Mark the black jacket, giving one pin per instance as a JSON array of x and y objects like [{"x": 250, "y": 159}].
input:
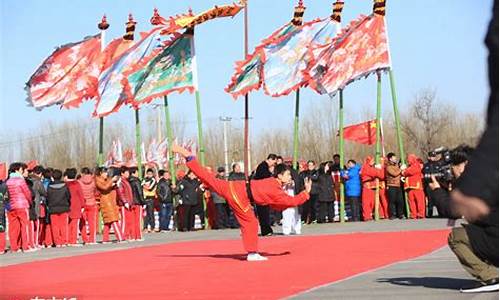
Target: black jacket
[
  {"x": 190, "y": 191},
  {"x": 236, "y": 176},
  {"x": 325, "y": 188},
  {"x": 313, "y": 175},
  {"x": 480, "y": 178},
  {"x": 3, "y": 199},
  {"x": 164, "y": 191},
  {"x": 58, "y": 197},
  {"x": 137, "y": 193},
  {"x": 262, "y": 171}
]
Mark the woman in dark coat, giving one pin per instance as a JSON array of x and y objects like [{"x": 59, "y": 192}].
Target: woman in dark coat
[{"x": 326, "y": 193}]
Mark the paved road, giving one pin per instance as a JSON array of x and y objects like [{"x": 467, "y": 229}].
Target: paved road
[{"x": 434, "y": 276}]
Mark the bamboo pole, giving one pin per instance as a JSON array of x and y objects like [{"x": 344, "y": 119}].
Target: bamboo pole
[
  {"x": 296, "y": 130},
  {"x": 399, "y": 136},
  {"x": 378, "y": 143},
  {"x": 341, "y": 146},
  {"x": 168, "y": 126}
]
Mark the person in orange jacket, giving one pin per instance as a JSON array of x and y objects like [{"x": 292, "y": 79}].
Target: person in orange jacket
[
  {"x": 238, "y": 194},
  {"x": 369, "y": 175},
  {"x": 413, "y": 184}
]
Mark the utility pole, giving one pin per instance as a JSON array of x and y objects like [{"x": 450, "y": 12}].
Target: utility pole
[{"x": 226, "y": 148}]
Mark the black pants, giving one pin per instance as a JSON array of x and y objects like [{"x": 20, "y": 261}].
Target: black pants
[
  {"x": 198, "y": 210},
  {"x": 355, "y": 207},
  {"x": 309, "y": 211},
  {"x": 187, "y": 223},
  {"x": 150, "y": 213},
  {"x": 325, "y": 210},
  {"x": 396, "y": 201},
  {"x": 431, "y": 203},
  {"x": 222, "y": 216},
  {"x": 263, "y": 214}
]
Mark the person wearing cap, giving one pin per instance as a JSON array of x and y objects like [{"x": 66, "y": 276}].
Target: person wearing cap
[{"x": 221, "y": 207}]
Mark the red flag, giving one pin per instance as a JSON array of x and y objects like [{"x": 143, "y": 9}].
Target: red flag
[
  {"x": 3, "y": 171},
  {"x": 363, "y": 133},
  {"x": 67, "y": 76}
]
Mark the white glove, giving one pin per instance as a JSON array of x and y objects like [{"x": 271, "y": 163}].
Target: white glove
[
  {"x": 180, "y": 202},
  {"x": 127, "y": 206},
  {"x": 378, "y": 166}
]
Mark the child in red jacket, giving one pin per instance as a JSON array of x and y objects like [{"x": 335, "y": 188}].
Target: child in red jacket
[{"x": 76, "y": 206}]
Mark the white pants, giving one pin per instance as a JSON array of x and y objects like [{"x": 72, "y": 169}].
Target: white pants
[{"x": 291, "y": 221}]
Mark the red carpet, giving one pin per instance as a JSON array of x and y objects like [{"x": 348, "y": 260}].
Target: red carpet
[{"x": 213, "y": 269}]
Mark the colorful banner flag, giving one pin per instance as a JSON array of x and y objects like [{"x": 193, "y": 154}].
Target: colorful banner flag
[
  {"x": 361, "y": 49},
  {"x": 362, "y": 133},
  {"x": 169, "y": 71},
  {"x": 279, "y": 62},
  {"x": 111, "y": 95},
  {"x": 248, "y": 72},
  {"x": 286, "y": 60},
  {"x": 68, "y": 76}
]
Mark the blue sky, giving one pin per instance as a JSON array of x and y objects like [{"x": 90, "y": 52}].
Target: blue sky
[{"x": 434, "y": 44}]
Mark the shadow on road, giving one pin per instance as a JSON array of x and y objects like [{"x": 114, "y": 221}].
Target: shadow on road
[
  {"x": 429, "y": 282},
  {"x": 227, "y": 256}
]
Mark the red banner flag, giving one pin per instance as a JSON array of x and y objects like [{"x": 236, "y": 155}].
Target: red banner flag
[
  {"x": 67, "y": 76},
  {"x": 3, "y": 171},
  {"x": 363, "y": 133}
]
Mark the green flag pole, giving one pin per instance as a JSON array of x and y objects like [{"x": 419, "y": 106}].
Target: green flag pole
[
  {"x": 201, "y": 148},
  {"x": 402, "y": 153},
  {"x": 138, "y": 142},
  {"x": 296, "y": 131},
  {"x": 378, "y": 144},
  {"x": 169, "y": 140},
  {"x": 341, "y": 146}
]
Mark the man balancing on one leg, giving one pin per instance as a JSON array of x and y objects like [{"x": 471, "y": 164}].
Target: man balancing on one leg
[{"x": 239, "y": 194}]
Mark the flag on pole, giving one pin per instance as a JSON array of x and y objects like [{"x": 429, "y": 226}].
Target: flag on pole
[
  {"x": 170, "y": 70},
  {"x": 279, "y": 62},
  {"x": 362, "y": 133},
  {"x": 111, "y": 96},
  {"x": 359, "y": 50},
  {"x": 285, "y": 61},
  {"x": 68, "y": 76}
]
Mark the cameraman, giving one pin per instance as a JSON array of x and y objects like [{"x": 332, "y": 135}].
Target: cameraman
[{"x": 466, "y": 241}]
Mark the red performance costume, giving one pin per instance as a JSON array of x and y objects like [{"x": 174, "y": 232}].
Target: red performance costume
[
  {"x": 264, "y": 192},
  {"x": 413, "y": 184},
  {"x": 369, "y": 175}
]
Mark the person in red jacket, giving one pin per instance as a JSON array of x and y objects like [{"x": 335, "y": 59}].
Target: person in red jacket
[
  {"x": 90, "y": 210},
  {"x": 125, "y": 202},
  {"x": 238, "y": 194},
  {"x": 76, "y": 206},
  {"x": 413, "y": 184},
  {"x": 369, "y": 175},
  {"x": 19, "y": 202}
]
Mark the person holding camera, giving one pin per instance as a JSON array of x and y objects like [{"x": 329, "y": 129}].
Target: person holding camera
[{"x": 465, "y": 241}]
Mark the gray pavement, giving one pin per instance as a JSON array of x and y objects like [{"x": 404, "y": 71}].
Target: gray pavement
[{"x": 437, "y": 275}]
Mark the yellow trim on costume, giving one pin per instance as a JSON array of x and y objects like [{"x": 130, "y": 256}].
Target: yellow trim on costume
[{"x": 235, "y": 197}]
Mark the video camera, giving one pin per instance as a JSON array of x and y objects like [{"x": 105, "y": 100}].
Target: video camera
[{"x": 441, "y": 169}]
